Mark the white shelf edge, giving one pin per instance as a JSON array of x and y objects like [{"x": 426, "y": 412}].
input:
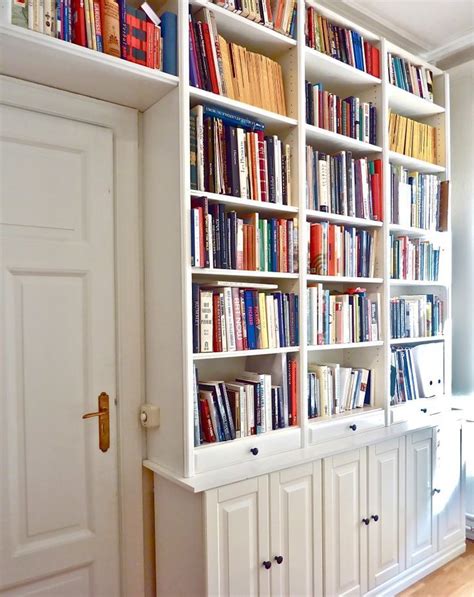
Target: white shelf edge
[
  {"x": 315, "y": 134},
  {"x": 343, "y": 279},
  {"x": 420, "y": 340},
  {"x": 400, "y": 282},
  {"x": 232, "y": 273},
  {"x": 352, "y": 345},
  {"x": 414, "y": 231},
  {"x": 245, "y": 203},
  {"x": 414, "y": 164},
  {"x": 413, "y": 105},
  {"x": 313, "y": 214},
  {"x": 249, "y": 438},
  {"x": 356, "y": 76},
  {"x": 354, "y": 412},
  {"x": 202, "y": 356}
]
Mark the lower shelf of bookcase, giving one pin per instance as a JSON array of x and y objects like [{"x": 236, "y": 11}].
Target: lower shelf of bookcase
[
  {"x": 422, "y": 407},
  {"x": 221, "y": 454},
  {"x": 339, "y": 426}
]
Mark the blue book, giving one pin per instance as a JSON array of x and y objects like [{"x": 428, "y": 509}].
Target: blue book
[
  {"x": 169, "y": 32},
  {"x": 249, "y": 318},
  {"x": 233, "y": 118}
]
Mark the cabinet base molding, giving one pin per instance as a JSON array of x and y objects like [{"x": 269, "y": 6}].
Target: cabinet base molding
[{"x": 416, "y": 573}]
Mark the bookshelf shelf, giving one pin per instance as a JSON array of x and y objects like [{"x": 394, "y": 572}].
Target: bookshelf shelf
[
  {"x": 245, "y": 205},
  {"x": 201, "y": 356},
  {"x": 335, "y": 74},
  {"x": 422, "y": 340},
  {"x": 277, "y": 122},
  {"x": 343, "y": 279},
  {"x": 241, "y": 273},
  {"x": 321, "y": 216},
  {"x": 316, "y": 422},
  {"x": 80, "y": 70},
  {"x": 413, "y": 231},
  {"x": 349, "y": 346},
  {"x": 413, "y": 164},
  {"x": 406, "y": 103},
  {"x": 329, "y": 141},
  {"x": 398, "y": 282}
]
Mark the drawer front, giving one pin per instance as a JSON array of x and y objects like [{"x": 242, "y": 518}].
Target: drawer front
[
  {"x": 347, "y": 426},
  {"x": 417, "y": 408},
  {"x": 248, "y": 449}
]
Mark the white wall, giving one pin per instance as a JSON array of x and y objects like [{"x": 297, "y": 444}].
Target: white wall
[{"x": 462, "y": 176}]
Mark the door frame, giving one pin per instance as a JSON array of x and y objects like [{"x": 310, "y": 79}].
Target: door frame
[{"x": 124, "y": 123}]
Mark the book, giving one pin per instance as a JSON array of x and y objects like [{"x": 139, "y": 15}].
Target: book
[
  {"x": 412, "y": 138},
  {"x": 169, "y": 31},
  {"x": 413, "y": 259},
  {"x": 111, "y": 27},
  {"x": 413, "y": 78},
  {"x": 416, "y": 316}
]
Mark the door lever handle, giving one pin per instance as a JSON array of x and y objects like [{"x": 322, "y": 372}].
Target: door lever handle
[{"x": 104, "y": 421}]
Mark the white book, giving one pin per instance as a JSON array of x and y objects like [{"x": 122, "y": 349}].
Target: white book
[
  {"x": 270, "y": 320},
  {"x": 404, "y": 204},
  {"x": 229, "y": 319},
  {"x": 345, "y": 380},
  {"x": 362, "y": 387},
  {"x": 242, "y": 161},
  {"x": 323, "y": 183},
  {"x": 277, "y": 158},
  {"x": 288, "y": 173},
  {"x": 49, "y": 17},
  {"x": 197, "y": 238},
  {"x": 366, "y": 123},
  {"x": 207, "y": 395},
  {"x": 223, "y": 322},
  {"x": 206, "y": 320}
]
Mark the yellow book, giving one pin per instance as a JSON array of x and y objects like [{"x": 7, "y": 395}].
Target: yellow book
[
  {"x": 227, "y": 67},
  {"x": 263, "y": 319}
]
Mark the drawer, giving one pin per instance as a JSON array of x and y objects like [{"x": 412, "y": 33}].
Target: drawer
[
  {"x": 423, "y": 407},
  {"x": 247, "y": 449},
  {"x": 346, "y": 425}
]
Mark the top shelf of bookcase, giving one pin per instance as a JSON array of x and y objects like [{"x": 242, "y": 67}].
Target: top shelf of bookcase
[
  {"x": 320, "y": 68},
  {"x": 56, "y": 63},
  {"x": 408, "y": 104}
]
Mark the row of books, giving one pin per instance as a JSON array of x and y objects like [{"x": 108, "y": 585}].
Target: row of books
[
  {"x": 225, "y": 68},
  {"x": 333, "y": 389},
  {"x": 419, "y": 200},
  {"x": 342, "y": 185},
  {"x": 403, "y": 382},
  {"x": 339, "y": 318},
  {"x": 348, "y": 116},
  {"x": 249, "y": 405},
  {"x": 341, "y": 43},
  {"x": 416, "y": 316},
  {"x": 279, "y": 15},
  {"x": 113, "y": 27},
  {"x": 415, "y": 79},
  {"x": 229, "y": 316},
  {"x": 412, "y": 138},
  {"x": 341, "y": 250},
  {"x": 224, "y": 240},
  {"x": 231, "y": 155},
  {"x": 413, "y": 259}
]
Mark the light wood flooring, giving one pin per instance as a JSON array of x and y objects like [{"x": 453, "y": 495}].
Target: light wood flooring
[{"x": 455, "y": 579}]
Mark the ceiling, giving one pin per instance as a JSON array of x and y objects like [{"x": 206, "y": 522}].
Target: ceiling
[{"x": 439, "y": 30}]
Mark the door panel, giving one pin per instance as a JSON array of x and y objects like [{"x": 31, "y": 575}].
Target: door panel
[
  {"x": 59, "y": 492},
  {"x": 345, "y": 505},
  {"x": 387, "y": 502}
]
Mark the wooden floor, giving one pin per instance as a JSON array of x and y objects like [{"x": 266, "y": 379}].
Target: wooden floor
[{"x": 455, "y": 579}]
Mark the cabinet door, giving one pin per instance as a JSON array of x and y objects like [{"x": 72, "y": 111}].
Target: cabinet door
[
  {"x": 237, "y": 537},
  {"x": 295, "y": 504},
  {"x": 345, "y": 534},
  {"x": 420, "y": 522},
  {"x": 386, "y": 472},
  {"x": 448, "y": 501}
]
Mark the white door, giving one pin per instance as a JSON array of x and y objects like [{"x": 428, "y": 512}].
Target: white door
[
  {"x": 448, "y": 503},
  {"x": 59, "y": 510},
  {"x": 420, "y": 521},
  {"x": 386, "y": 472},
  {"x": 237, "y": 535},
  {"x": 296, "y": 530},
  {"x": 345, "y": 523}
]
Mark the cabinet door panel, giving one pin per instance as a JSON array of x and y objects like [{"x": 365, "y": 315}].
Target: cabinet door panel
[
  {"x": 421, "y": 527},
  {"x": 238, "y": 538},
  {"x": 448, "y": 503},
  {"x": 387, "y": 501},
  {"x": 345, "y": 535},
  {"x": 296, "y": 530}
]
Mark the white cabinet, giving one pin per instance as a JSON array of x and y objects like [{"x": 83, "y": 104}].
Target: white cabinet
[
  {"x": 386, "y": 482},
  {"x": 345, "y": 523},
  {"x": 421, "y": 524},
  {"x": 468, "y": 451}
]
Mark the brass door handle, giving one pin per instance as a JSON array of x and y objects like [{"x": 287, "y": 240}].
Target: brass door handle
[{"x": 104, "y": 421}]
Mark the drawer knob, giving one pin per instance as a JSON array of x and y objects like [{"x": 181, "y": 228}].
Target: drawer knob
[
  {"x": 254, "y": 452},
  {"x": 436, "y": 491},
  {"x": 375, "y": 517},
  {"x": 424, "y": 410},
  {"x": 267, "y": 565},
  {"x": 278, "y": 559},
  {"x": 353, "y": 427},
  {"x": 365, "y": 521}
]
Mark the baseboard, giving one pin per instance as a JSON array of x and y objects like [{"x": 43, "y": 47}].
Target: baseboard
[{"x": 415, "y": 573}]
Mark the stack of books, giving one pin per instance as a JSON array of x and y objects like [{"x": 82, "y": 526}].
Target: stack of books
[
  {"x": 230, "y": 316},
  {"x": 334, "y": 389},
  {"x": 340, "y": 318},
  {"x": 403, "y": 382},
  {"x": 279, "y": 15},
  {"x": 341, "y": 43},
  {"x": 412, "y": 138},
  {"x": 342, "y": 185},
  {"x": 249, "y": 405},
  {"x": 226, "y": 240},
  {"x": 231, "y": 70},
  {"x": 231, "y": 155},
  {"x": 110, "y": 26},
  {"x": 348, "y": 116},
  {"x": 415, "y": 79},
  {"x": 416, "y": 316},
  {"x": 341, "y": 250},
  {"x": 413, "y": 259}
]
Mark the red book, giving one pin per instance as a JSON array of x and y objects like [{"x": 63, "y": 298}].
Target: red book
[
  {"x": 210, "y": 58},
  {"x": 216, "y": 318},
  {"x": 292, "y": 400},
  {"x": 368, "y": 57},
  {"x": 332, "y": 250},
  {"x": 376, "y": 62},
  {"x": 262, "y": 165},
  {"x": 79, "y": 35},
  {"x": 376, "y": 183},
  {"x": 150, "y": 44},
  {"x": 98, "y": 25},
  {"x": 316, "y": 250},
  {"x": 206, "y": 421}
]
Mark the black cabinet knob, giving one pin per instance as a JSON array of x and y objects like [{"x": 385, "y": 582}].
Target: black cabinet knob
[
  {"x": 267, "y": 565},
  {"x": 278, "y": 559},
  {"x": 375, "y": 517},
  {"x": 436, "y": 490},
  {"x": 424, "y": 410},
  {"x": 365, "y": 521},
  {"x": 254, "y": 451},
  {"x": 353, "y": 427}
]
